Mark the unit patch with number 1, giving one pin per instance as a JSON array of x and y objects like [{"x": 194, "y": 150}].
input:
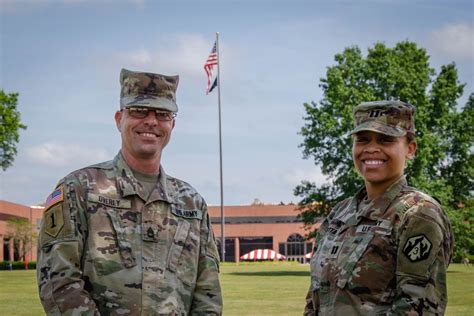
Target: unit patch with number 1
[{"x": 53, "y": 215}]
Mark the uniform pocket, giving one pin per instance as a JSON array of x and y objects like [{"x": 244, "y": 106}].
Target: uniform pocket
[
  {"x": 367, "y": 266},
  {"x": 124, "y": 246},
  {"x": 355, "y": 249},
  {"x": 183, "y": 255},
  {"x": 177, "y": 246}
]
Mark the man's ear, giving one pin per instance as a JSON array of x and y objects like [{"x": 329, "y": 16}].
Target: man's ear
[{"x": 118, "y": 118}]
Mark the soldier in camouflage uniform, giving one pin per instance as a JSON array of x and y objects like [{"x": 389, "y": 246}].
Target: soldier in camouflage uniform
[
  {"x": 122, "y": 237},
  {"x": 384, "y": 251}
]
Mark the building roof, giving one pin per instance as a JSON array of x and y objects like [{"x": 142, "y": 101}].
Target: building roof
[{"x": 254, "y": 210}]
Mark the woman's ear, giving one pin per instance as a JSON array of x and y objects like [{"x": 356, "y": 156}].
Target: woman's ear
[{"x": 411, "y": 150}]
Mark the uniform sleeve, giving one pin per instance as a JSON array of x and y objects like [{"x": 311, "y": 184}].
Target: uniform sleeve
[
  {"x": 207, "y": 298},
  {"x": 425, "y": 244},
  {"x": 312, "y": 301},
  {"x": 309, "y": 307},
  {"x": 60, "y": 247}
]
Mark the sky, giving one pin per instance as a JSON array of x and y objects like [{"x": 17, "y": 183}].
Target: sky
[{"x": 64, "y": 58}]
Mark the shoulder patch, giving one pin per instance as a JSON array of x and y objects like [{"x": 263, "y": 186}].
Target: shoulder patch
[
  {"x": 53, "y": 220},
  {"x": 417, "y": 248},
  {"x": 54, "y": 198}
]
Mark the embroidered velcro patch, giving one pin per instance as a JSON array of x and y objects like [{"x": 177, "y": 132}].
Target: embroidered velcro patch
[
  {"x": 181, "y": 212},
  {"x": 53, "y": 220},
  {"x": 54, "y": 198},
  {"x": 417, "y": 248},
  {"x": 109, "y": 201}
]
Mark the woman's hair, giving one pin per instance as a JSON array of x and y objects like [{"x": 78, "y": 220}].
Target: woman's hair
[{"x": 410, "y": 137}]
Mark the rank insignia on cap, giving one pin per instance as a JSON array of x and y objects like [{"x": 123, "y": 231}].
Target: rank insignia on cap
[
  {"x": 54, "y": 198},
  {"x": 417, "y": 248}
]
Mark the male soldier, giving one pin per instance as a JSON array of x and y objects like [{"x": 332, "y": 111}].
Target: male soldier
[{"x": 123, "y": 238}]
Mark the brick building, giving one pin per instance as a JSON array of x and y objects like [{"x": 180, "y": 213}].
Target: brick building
[
  {"x": 246, "y": 228},
  {"x": 257, "y": 226},
  {"x": 12, "y": 210}
]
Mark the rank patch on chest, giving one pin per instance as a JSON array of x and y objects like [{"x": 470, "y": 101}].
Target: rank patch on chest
[
  {"x": 334, "y": 249},
  {"x": 417, "y": 248}
]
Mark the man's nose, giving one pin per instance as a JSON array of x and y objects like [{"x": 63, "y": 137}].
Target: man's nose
[{"x": 151, "y": 118}]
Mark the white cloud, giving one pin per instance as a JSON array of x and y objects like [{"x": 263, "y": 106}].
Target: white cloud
[
  {"x": 312, "y": 173},
  {"x": 137, "y": 58},
  {"x": 182, "y": 54},
  {"x": 454, "y": 40},
  {"x": 57, "y": 154}
]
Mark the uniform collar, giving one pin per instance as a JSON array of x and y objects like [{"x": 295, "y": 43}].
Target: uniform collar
[
  {"x": 377, "y": 207},
  {"x": 129, "y": 185}
]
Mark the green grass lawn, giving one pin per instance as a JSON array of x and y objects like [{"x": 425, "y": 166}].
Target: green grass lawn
[{"x": 249, "y": 289}]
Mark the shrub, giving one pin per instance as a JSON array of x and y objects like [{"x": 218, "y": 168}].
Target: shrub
[{"x": 17, "y": 265}]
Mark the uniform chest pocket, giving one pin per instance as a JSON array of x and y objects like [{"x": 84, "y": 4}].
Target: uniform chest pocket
[
  {"x": 183, "y": 255},
  {"x": 370, "y": 268},
  {"x": 108, "y": 235},
  {"x": 124, "y": 245},
  {"x": 353, "y": 249}
]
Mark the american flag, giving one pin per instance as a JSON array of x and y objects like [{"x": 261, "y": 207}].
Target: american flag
[
  {"x": 211, "y": 61},
  {"x": 55, "y": 197}
]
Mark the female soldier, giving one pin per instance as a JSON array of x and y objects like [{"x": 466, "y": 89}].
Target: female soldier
[{"x": 384, "y": 251}]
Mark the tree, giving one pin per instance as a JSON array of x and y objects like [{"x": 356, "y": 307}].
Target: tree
[
  {"x": 21, "y": 230},
  {"x": 462, "y": 222},
  {"x": 10, "y": 125},
  {"x": 443, "y": 166}
]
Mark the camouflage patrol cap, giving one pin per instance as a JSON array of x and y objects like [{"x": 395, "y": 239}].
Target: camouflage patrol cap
[
  {"x": 393, "y": 118},
  {"x": 148, "y": 90}
]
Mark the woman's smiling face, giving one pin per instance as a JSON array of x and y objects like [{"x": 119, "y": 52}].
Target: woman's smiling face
[{"x": 379, "y": 158}]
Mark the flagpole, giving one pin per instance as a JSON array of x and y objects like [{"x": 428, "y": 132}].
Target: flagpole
[{"x": 220, "y": 147}]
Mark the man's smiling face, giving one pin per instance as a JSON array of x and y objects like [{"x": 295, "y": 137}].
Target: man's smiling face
[{"x": 143, "y": 138}]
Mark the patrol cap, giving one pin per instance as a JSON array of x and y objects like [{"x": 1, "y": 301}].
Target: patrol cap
[
  {"x": 148, "y": 90},
  {"x": 393, "y": 118}
]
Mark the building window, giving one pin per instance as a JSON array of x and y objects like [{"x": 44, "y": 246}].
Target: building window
[
  {"x": 248, "y": 244},
  {"x": 295, "y": 248},
  {"x": 295, "y": 245},
  {"x": 295, "y": 238},
  {"x": 229, "y": 249}
]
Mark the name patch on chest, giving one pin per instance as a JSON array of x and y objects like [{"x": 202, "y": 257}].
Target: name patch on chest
[
  {"x": 115, "y": 203},
  {"x": 363, "y": 228},
  {"x": 381, "y": 227}
]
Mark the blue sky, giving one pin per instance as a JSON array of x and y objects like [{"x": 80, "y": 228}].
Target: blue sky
[{"x": 64, "y": 58}]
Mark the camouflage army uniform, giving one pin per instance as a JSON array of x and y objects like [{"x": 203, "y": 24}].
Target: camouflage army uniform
[
  {"x": 105, "y": 248},
  {"x": 383, "y": 257}
]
